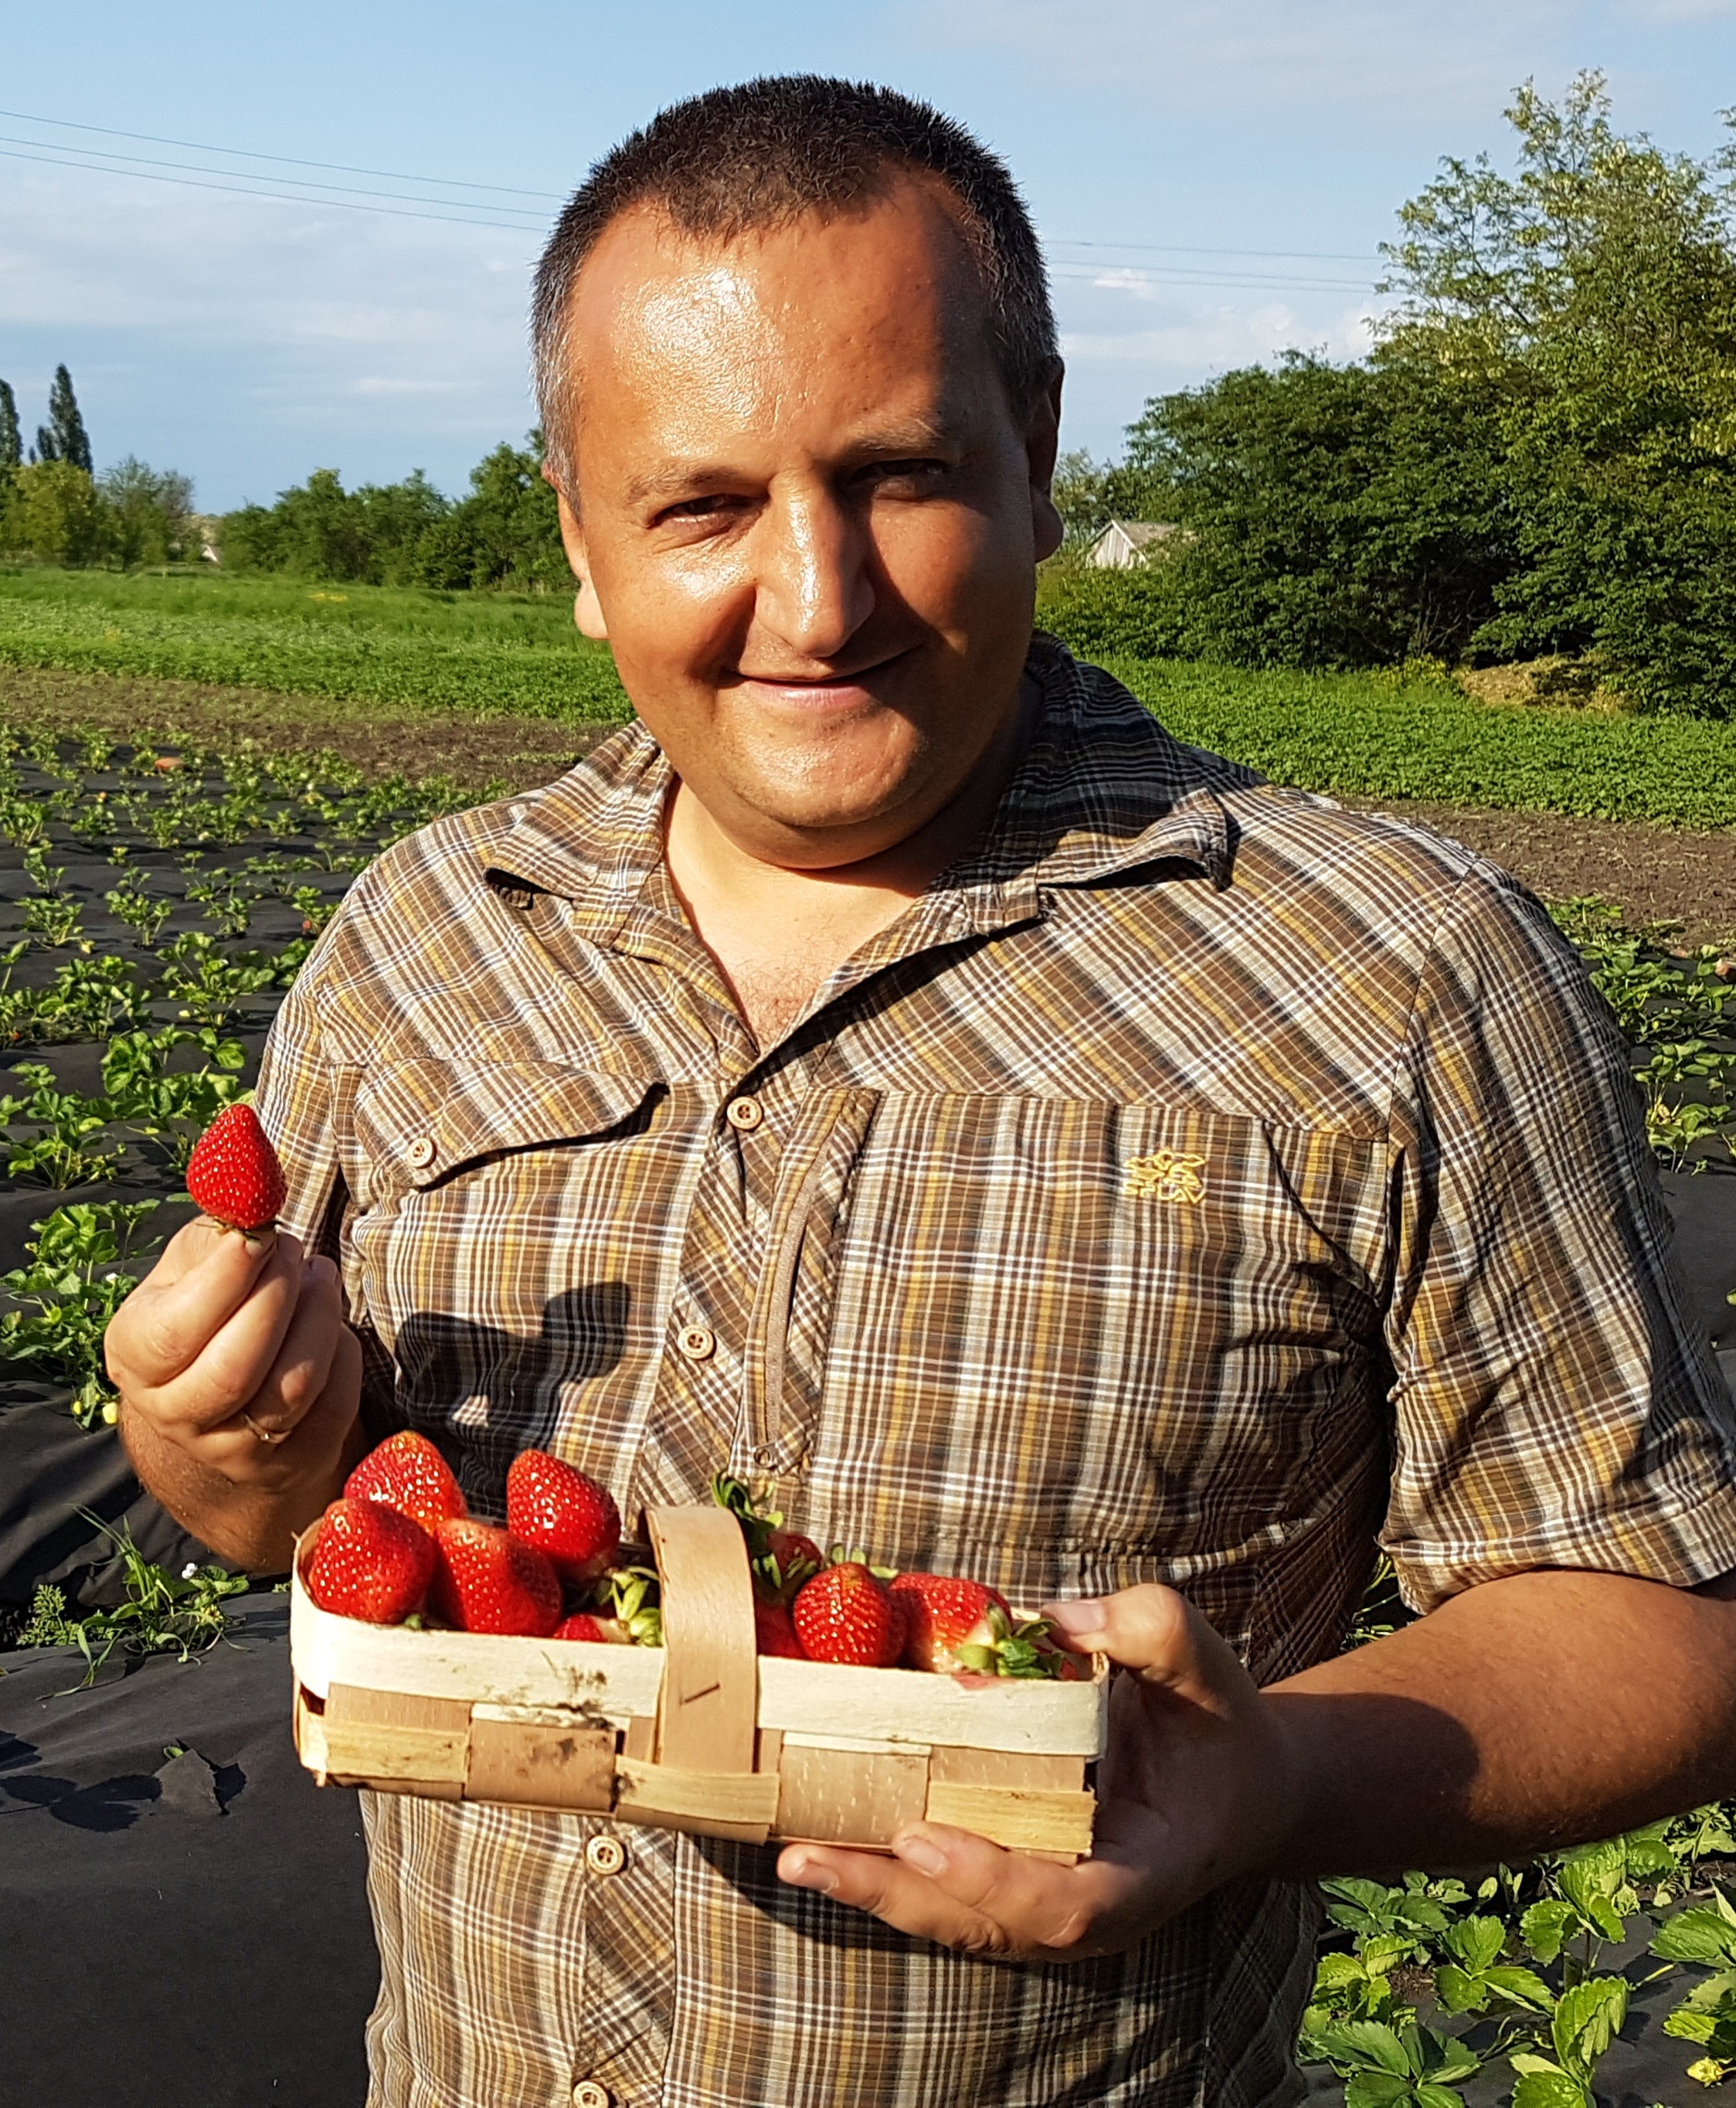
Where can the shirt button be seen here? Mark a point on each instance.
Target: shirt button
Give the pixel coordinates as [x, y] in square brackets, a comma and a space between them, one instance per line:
[698, 1343]
[744, 1114]
[422, 1151]
[588, 2094]
[605, 1855]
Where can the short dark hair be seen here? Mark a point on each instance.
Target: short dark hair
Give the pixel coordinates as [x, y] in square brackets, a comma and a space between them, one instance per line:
[736, 160]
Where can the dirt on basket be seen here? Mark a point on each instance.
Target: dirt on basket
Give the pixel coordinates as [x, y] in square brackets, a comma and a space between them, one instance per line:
[519, 751]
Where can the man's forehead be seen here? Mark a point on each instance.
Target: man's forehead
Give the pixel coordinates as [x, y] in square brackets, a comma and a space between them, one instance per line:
[898, 267]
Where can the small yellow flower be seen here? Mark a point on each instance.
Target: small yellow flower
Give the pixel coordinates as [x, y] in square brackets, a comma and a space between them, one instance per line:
[1165, 1175]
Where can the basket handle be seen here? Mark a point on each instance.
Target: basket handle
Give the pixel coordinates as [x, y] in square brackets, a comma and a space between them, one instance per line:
[711, 1667]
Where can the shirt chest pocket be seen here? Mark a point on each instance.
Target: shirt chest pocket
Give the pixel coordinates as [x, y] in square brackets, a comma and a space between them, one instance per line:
[1124, 1330]
[498, 1251]
[421, 1122]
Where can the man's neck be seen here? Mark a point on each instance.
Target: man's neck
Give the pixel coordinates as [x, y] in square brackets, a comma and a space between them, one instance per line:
[778, 932]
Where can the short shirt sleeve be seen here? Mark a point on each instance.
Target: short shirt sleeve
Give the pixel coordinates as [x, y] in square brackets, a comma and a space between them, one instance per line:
[1554, 1404]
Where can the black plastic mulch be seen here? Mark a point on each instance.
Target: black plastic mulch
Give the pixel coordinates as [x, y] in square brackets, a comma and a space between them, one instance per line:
[176, 1933]
[193, 1932]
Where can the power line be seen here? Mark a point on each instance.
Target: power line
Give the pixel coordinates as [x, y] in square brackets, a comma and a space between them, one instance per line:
[289, 160]
[100, 160]
[462, 211]
[281, 197]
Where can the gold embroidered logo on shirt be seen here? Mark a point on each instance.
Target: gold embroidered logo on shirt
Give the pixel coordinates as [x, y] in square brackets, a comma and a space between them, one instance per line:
[1165, 1175]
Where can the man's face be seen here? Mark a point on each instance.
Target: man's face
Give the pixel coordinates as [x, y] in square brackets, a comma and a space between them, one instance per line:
[807, 516]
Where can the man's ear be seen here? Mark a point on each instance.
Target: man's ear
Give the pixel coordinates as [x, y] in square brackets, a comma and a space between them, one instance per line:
[588, 610]
[1042, 440]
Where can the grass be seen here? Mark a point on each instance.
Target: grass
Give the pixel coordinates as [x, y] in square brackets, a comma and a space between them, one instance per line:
[482, 653]
[1381, 736]
[1375, 735]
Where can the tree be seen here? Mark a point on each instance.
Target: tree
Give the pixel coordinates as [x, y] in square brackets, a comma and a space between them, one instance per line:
[150, 511]
[1331, 516]
[505, 533]
[58, 515]
[63, 438]
[1594, 292]
[11, 452]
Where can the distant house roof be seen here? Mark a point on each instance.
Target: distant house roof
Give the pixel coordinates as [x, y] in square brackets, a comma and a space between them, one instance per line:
[1124, 542]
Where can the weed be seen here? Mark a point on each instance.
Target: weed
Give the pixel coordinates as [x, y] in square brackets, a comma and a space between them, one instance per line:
[162, 1613]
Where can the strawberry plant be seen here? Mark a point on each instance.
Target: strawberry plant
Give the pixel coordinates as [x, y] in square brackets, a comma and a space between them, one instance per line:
[1586, 2020]
[1476, 1973]
[172, 1109]
[1706, 1936]
[59, 1153]
[1417, 1911]
[1405, 2066]
[72, 1287]
[1352, 1987]
[143, 911]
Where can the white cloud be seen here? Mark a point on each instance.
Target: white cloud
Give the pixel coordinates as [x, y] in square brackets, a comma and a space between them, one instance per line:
[190, 319]
[1393, 58]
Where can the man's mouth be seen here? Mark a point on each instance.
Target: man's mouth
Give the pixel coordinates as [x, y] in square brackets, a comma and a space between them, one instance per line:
[818, 691]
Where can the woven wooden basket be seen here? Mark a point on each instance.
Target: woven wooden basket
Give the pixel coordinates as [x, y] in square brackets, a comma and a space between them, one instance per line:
[702, 1733]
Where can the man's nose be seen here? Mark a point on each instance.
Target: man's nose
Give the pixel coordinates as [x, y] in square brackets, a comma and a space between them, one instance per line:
[815, 589]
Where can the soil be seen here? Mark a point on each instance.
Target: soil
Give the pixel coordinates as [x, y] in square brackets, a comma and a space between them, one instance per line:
[517, 752]
[1669, 875]
[1658, 874]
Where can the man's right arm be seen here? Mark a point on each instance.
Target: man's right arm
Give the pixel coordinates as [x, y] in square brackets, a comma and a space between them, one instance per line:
[227, 1330]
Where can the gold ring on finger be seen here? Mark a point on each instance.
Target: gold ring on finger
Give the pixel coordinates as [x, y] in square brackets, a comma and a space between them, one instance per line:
[267, 1435]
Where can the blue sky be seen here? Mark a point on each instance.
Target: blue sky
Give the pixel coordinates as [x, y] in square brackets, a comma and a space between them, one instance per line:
[246, 340]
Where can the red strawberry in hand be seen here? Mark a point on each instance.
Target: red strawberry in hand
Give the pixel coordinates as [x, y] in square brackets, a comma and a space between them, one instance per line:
[568, 1516]
[369, 1561]
[233, 1172]
[486, 1581]
[951, 1624]
[845, 1614]
[409, 1473]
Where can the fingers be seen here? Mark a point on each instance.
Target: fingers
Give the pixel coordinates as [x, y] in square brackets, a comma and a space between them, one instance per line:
[302, 1368]
[960, 1890]
[204, 1282]
[1159, 1635]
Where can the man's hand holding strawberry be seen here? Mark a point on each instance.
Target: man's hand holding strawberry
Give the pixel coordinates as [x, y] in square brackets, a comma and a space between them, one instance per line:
[239, 1381]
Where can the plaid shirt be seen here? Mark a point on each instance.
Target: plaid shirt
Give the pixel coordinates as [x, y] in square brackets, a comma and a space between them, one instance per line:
[1199, 1183]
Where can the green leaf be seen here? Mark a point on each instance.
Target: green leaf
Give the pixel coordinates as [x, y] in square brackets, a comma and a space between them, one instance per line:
[1378, 2089]
[1520, 1987]
[1586, 2020]
[1370, 2043]
[1545, 1928]
[1475, 1942]
[1550, 2089]
[1704, 1935]
[1459, 1991]
[1452, 2058]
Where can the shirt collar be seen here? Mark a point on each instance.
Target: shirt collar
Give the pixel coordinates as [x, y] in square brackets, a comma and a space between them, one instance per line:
[1102, 790]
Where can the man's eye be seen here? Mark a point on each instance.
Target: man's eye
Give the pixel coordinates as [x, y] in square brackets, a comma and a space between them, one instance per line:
[906, 471]
[695, 508]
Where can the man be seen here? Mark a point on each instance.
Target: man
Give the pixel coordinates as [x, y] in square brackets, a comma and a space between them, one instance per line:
[896, 1071]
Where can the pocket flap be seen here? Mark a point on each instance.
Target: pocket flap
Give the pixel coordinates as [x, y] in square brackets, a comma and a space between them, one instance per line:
[419, 1121]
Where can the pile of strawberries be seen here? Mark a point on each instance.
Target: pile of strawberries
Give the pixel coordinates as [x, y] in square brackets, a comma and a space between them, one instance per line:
[401, 1541]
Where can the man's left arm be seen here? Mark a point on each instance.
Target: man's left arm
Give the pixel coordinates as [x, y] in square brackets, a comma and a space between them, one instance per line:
[1532, 1711]
[1563, 1506]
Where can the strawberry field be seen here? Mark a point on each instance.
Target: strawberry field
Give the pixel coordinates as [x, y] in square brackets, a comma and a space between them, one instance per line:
[154, 906]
